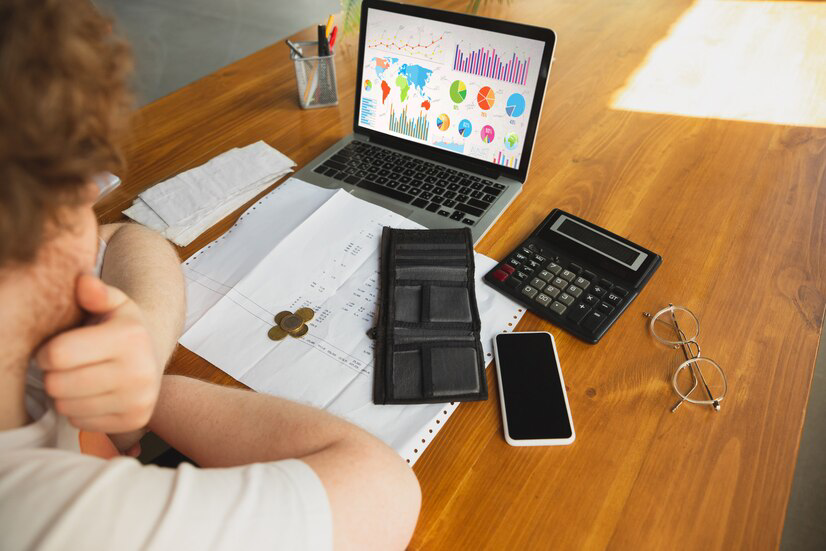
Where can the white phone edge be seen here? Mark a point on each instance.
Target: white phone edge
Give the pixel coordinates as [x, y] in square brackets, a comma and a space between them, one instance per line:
[532, 442]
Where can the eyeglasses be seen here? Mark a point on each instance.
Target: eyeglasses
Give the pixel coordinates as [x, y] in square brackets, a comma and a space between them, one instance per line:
[677, 327]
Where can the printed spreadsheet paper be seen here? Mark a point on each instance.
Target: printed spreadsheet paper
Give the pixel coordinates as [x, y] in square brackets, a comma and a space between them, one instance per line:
[299, 246]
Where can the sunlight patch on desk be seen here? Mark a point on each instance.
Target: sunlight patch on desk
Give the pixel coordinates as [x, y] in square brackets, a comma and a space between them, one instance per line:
[738, 60]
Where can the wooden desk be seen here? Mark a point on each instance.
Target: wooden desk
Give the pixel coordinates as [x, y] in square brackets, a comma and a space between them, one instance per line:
[738, 212]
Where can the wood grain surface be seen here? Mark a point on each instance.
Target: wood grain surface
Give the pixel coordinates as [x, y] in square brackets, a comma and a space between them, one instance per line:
[738, 212]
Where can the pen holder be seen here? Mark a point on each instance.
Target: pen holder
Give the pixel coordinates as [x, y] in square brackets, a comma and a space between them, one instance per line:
[315, 76]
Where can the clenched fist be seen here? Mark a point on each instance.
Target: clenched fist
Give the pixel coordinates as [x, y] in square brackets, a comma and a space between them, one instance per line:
[104, 376]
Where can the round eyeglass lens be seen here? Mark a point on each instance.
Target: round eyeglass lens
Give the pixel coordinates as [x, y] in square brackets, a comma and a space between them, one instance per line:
[700, 381]
[674, 325]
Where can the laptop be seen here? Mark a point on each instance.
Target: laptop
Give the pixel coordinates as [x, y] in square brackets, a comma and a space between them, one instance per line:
[447, 107]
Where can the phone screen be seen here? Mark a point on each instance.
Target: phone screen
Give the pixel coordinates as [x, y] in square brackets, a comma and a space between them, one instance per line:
[531, 387]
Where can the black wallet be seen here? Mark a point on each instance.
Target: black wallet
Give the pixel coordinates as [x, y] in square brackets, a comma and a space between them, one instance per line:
[427, 336]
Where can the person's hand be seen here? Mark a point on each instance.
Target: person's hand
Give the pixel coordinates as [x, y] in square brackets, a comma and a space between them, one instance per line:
[104, 376]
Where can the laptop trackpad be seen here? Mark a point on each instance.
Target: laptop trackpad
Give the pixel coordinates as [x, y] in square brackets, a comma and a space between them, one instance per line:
[387, 203]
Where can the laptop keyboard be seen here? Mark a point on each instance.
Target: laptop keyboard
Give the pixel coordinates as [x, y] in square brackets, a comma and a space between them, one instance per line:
[446, 191]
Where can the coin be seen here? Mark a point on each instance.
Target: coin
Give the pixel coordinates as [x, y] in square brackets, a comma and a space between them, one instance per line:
[305, 313]
[301, 331]
[291, 323]
[281, 315]
[276, 333]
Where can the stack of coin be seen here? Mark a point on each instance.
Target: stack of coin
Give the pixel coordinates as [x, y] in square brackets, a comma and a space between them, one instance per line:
[287, 323]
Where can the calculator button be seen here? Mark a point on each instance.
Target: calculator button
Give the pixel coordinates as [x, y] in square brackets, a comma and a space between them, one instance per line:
[567, 275]
[546, 275]
[578, 312]
[613, 299]
[558, 307]
[526, 250]
[552, 291]
[617, 290]
[543, 299]
[590, 299]
[520, 257]
[534, 265]
[554, 268]
[500, 275]
[590, 276]
[559, 283]
[566, 299]
[605, 283]
[576, 268]
[539, 258]
[605, 308]
[538, 283]
[521, 276]
[573, 290]
[582, 282]
[598, 291]
[515, 263]
[507, 268]
[594, 320]
[529, 291]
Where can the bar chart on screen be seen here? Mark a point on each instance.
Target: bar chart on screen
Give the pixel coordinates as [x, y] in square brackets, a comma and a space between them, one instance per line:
[415, 128]
[487, 62]
[504, 160]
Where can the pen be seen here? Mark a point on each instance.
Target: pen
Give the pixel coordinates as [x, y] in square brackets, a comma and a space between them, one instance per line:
[329, 28]
[333, 35]
[323, 48]
[295, 50]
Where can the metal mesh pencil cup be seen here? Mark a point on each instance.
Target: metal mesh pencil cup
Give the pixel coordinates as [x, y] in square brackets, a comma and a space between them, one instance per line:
[315, 76]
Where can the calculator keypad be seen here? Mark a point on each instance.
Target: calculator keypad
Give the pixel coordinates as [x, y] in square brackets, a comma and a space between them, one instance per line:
[567, 289]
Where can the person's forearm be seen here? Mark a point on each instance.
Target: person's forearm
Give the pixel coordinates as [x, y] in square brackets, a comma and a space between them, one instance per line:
[223, 427]
[145, 266]
[363, 478]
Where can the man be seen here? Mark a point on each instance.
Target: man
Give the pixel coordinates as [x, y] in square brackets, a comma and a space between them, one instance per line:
[85, 331]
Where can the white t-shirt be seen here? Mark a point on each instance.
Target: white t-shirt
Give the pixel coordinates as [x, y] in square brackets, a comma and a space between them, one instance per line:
[54, 495]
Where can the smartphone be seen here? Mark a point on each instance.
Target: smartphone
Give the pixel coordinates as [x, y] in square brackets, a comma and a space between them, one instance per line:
[535, 410]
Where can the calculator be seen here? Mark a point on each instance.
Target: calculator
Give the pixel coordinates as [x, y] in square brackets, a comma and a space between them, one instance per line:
[575, 274]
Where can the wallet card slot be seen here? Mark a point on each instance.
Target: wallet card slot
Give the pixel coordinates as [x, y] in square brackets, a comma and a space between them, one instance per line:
[446, 304]
[434, 369]
[431, 273]
[432, 261]
[408, 303]
[404, 335]
[430, 247]
[407, 374]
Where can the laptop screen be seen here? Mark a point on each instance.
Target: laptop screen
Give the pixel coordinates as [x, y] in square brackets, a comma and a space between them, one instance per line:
[457, 88]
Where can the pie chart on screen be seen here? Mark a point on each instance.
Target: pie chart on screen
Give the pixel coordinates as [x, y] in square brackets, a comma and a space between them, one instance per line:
[485, 98]
[515, 105]
[458, 91]
[443, 122]
[487, 133]
[465, 128]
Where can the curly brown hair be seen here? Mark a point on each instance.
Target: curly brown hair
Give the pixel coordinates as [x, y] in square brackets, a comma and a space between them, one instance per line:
[64, 100]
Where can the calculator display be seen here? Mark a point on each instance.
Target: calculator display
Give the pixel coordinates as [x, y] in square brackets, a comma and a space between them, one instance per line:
[603, 244]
